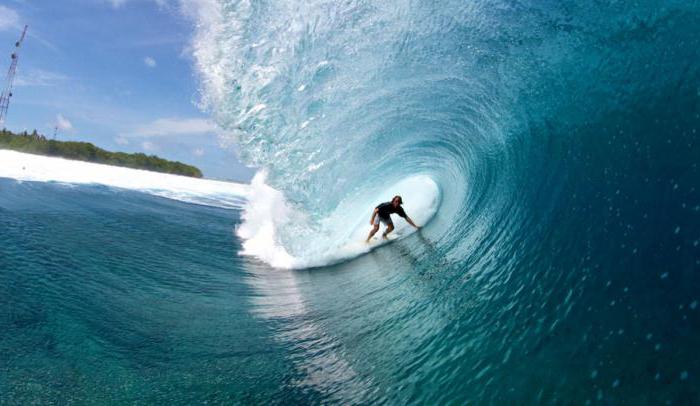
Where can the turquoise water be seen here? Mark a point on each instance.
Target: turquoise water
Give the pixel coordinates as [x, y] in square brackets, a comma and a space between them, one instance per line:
[556, 141]
[116, 296]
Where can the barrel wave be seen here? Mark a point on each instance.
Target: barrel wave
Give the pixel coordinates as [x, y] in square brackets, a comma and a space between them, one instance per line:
[550, 149]
[341, 104]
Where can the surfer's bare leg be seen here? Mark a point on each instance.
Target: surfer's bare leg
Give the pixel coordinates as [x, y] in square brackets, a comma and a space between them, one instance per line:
[389, 229]
[372, 232]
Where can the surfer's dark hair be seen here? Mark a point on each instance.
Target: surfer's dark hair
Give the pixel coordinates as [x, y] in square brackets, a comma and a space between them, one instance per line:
[397, 197]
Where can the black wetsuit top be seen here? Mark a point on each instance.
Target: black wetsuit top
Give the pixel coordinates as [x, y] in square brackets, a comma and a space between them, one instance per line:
[385, 209]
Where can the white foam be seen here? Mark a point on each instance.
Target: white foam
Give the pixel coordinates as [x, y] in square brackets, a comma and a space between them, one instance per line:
[266, 212]
[340, 236]
[28, 167]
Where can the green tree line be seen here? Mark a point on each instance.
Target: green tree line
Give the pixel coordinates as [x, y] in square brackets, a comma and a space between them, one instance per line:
[35, 143]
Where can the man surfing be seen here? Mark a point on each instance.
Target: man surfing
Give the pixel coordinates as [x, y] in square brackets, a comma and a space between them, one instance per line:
[382, 214]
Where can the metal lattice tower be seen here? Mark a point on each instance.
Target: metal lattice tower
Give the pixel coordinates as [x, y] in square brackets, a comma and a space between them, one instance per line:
[9, 80]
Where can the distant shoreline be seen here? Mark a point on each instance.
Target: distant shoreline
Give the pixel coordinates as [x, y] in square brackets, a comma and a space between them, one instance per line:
[37, 144]
[23, 167]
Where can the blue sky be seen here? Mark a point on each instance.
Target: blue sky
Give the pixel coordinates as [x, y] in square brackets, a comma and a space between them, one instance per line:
[116, 73]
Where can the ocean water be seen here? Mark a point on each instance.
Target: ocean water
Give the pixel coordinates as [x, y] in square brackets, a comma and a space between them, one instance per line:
[550, 150]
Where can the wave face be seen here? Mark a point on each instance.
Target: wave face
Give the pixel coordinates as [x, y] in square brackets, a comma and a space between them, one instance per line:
[340, 104]
[561, 140]
[497, 102]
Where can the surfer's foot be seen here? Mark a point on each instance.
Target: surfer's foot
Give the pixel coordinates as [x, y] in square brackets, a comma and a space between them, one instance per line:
[384, 237]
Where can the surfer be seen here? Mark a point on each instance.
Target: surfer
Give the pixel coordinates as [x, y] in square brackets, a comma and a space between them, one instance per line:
[381, 214]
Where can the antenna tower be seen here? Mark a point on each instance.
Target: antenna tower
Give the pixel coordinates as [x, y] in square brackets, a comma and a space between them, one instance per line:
[9, 80]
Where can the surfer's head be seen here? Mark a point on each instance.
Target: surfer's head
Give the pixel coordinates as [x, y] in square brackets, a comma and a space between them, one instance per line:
[397, 201]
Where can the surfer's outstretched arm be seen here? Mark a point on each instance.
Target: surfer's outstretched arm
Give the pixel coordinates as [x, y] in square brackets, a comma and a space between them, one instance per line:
[409, 221]
[374, 214]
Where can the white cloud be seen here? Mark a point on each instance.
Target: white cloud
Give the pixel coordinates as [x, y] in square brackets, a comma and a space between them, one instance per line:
[196, 9]
[150, 62]
[148, 146]
[118, 3]
[173, 126]
[121, 140]
[198, 152]
[63, 123]
[9, 19]
[40, 77]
